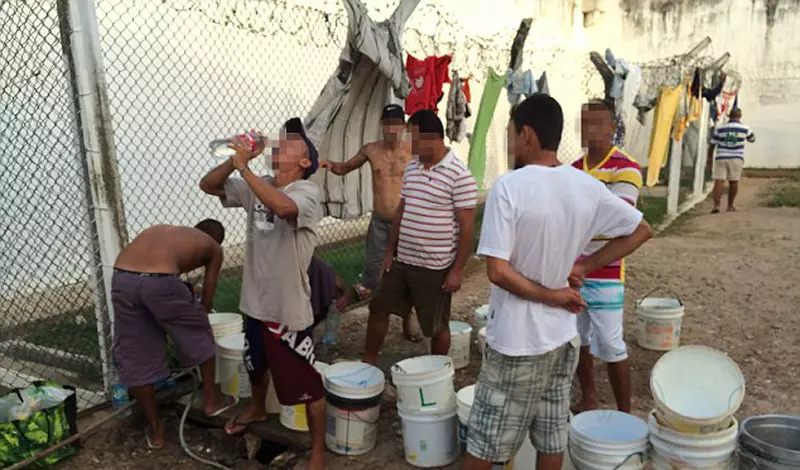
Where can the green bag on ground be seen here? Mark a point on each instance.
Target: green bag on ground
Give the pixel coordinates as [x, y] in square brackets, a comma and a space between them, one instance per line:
[34, 419]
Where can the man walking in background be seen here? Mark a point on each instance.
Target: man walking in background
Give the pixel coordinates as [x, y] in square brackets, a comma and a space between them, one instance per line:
[728, 139]
[150, 300]
[430, 240]
[600, 325]
[537, 220]
[282, 216]
[388, 160]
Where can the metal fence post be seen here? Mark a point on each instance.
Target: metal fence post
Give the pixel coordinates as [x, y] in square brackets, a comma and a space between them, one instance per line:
[674, 181]
[702, 150]
[107, 230]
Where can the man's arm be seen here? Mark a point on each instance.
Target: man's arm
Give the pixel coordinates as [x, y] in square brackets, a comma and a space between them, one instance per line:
[751, 137]
[341, 169]
[466, 224]
[274, 199]
[618, 248]
[504, 276]
[213, 182]
[211, 276]
[394, 234]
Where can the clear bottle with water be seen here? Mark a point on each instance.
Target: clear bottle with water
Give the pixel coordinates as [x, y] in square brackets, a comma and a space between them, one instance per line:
[219, 147]
[332, 322]
[119, 395]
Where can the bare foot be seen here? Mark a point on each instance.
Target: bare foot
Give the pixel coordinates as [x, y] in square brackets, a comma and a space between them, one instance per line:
[316, 462]
[732, 209]
[220, 406]
[239, 424]
[155, 437]
[715, 210]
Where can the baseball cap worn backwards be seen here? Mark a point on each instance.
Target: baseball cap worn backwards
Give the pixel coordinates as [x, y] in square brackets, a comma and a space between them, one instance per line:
[295, 126]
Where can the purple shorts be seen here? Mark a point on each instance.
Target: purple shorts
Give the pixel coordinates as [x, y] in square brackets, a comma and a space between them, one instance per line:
[147, 307]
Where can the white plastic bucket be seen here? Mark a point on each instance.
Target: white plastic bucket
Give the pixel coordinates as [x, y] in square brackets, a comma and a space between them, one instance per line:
[425, 383]
[354, 400]
[464, 399]
[295, 417]
[606, 440]
[460, 339]
[658, 463]
[482, 341]
[689, 451]
[234, 380]
[696, 389]
[222, 325]
[659, 323]
[430, 439]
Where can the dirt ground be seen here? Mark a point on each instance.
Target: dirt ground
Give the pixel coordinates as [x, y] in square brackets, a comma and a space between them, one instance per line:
[735, 272]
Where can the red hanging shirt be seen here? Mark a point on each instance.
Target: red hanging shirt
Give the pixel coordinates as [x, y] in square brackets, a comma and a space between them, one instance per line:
[427, 78]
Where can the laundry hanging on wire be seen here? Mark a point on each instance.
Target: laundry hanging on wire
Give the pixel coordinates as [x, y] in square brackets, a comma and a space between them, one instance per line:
[458, 109]
[427, 78]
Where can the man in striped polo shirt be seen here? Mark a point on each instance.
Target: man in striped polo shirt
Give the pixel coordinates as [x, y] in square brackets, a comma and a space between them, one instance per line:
[430, 240]
[600, 326]
[729, 141]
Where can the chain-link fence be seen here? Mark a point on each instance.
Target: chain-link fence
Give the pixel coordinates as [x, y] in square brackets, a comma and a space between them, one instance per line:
[179, 73]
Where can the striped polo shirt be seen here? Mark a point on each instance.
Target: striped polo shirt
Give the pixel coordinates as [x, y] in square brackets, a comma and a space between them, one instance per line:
[729, 139]
[429, 230]
[623, 176]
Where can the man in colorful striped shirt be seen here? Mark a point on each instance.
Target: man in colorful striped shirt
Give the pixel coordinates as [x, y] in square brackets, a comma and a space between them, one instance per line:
[430, 241]
[600, 326]
[729, 141]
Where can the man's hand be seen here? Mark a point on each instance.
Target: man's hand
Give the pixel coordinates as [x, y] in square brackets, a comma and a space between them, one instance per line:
[452, 283]
[333, 167]
[244, 151]
[566, 298]
[387, 264]
[577, 275]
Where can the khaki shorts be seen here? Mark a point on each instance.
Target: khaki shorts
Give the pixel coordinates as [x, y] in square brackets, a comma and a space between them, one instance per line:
[729, 169]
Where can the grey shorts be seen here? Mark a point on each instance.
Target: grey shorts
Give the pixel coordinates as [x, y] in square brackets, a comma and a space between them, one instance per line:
[146, 309]
[519, 396]
[377, 243]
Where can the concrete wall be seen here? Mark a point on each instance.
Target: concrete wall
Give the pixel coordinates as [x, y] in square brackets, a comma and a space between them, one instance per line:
[762, 36]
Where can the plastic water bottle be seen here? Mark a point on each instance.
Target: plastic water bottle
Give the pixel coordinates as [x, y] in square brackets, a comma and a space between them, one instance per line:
[332, 322]
[164, 383]
[219, 148]
[119, 399]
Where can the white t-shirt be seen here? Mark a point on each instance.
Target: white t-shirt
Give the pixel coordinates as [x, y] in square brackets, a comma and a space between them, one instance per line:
[540, 219]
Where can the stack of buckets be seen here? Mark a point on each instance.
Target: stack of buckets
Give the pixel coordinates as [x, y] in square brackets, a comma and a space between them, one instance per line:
[426, 404]
[353, 391]
[460, 339]
[696, 390]
[230, 371]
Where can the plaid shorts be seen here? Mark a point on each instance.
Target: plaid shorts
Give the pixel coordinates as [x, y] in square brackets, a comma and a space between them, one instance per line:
[519, 395]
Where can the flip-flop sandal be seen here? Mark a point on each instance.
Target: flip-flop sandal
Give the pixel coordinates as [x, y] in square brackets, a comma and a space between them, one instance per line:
[149, 440]
[416, 339]
[235, 423]
[715, 211]
[230, 402]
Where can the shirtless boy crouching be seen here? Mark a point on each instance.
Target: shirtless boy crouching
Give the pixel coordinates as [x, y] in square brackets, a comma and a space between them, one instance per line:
[150, 301]
[388, 159]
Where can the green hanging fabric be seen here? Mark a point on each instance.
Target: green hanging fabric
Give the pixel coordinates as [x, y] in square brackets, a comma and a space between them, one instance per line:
[477, 149]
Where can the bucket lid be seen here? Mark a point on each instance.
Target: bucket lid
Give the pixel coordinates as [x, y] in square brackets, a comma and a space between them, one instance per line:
[697, 383]
[482, 312]
[357, 380]
[222, 318]
[233, 343]
[660, 303]
[466, 396]
[422, 368]
[460, 327]
[610, 427]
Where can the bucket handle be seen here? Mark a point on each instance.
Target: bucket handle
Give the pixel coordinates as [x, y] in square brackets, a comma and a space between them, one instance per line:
[639, 302]
[752, 461]
[620, 465]
[660, 390]
[730, 397]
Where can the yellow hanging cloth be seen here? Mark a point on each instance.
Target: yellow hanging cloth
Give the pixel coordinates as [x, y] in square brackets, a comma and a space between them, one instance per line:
[693, 111]
[663, 118]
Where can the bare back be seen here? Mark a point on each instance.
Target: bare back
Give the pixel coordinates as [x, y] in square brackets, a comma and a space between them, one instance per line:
[167, 249]
[388, 166]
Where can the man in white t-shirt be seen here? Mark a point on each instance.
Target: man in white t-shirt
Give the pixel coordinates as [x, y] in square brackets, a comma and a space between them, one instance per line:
[537, 221]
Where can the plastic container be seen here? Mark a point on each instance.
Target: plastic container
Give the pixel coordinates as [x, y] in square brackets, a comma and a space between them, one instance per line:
[770, 442]
[696, 389]
[233, 378]
[690, 451]
[222, 325]
[606, 440]
[460, 339]
[425, 383]
[659, 323]
[353, 391]
[430, 439]
[295, 417]
[482, 341]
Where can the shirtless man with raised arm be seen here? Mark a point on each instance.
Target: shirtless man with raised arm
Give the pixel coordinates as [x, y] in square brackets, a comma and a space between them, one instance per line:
[150, 300]
[388, 159]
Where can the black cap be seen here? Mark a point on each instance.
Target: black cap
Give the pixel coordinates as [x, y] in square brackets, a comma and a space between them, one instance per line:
[295, 126]
[393, 111]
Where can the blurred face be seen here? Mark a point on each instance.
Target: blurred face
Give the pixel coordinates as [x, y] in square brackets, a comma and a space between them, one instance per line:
[290, 154]
[393, 129]
[522, 146]
[597, 127]
[422, 145]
